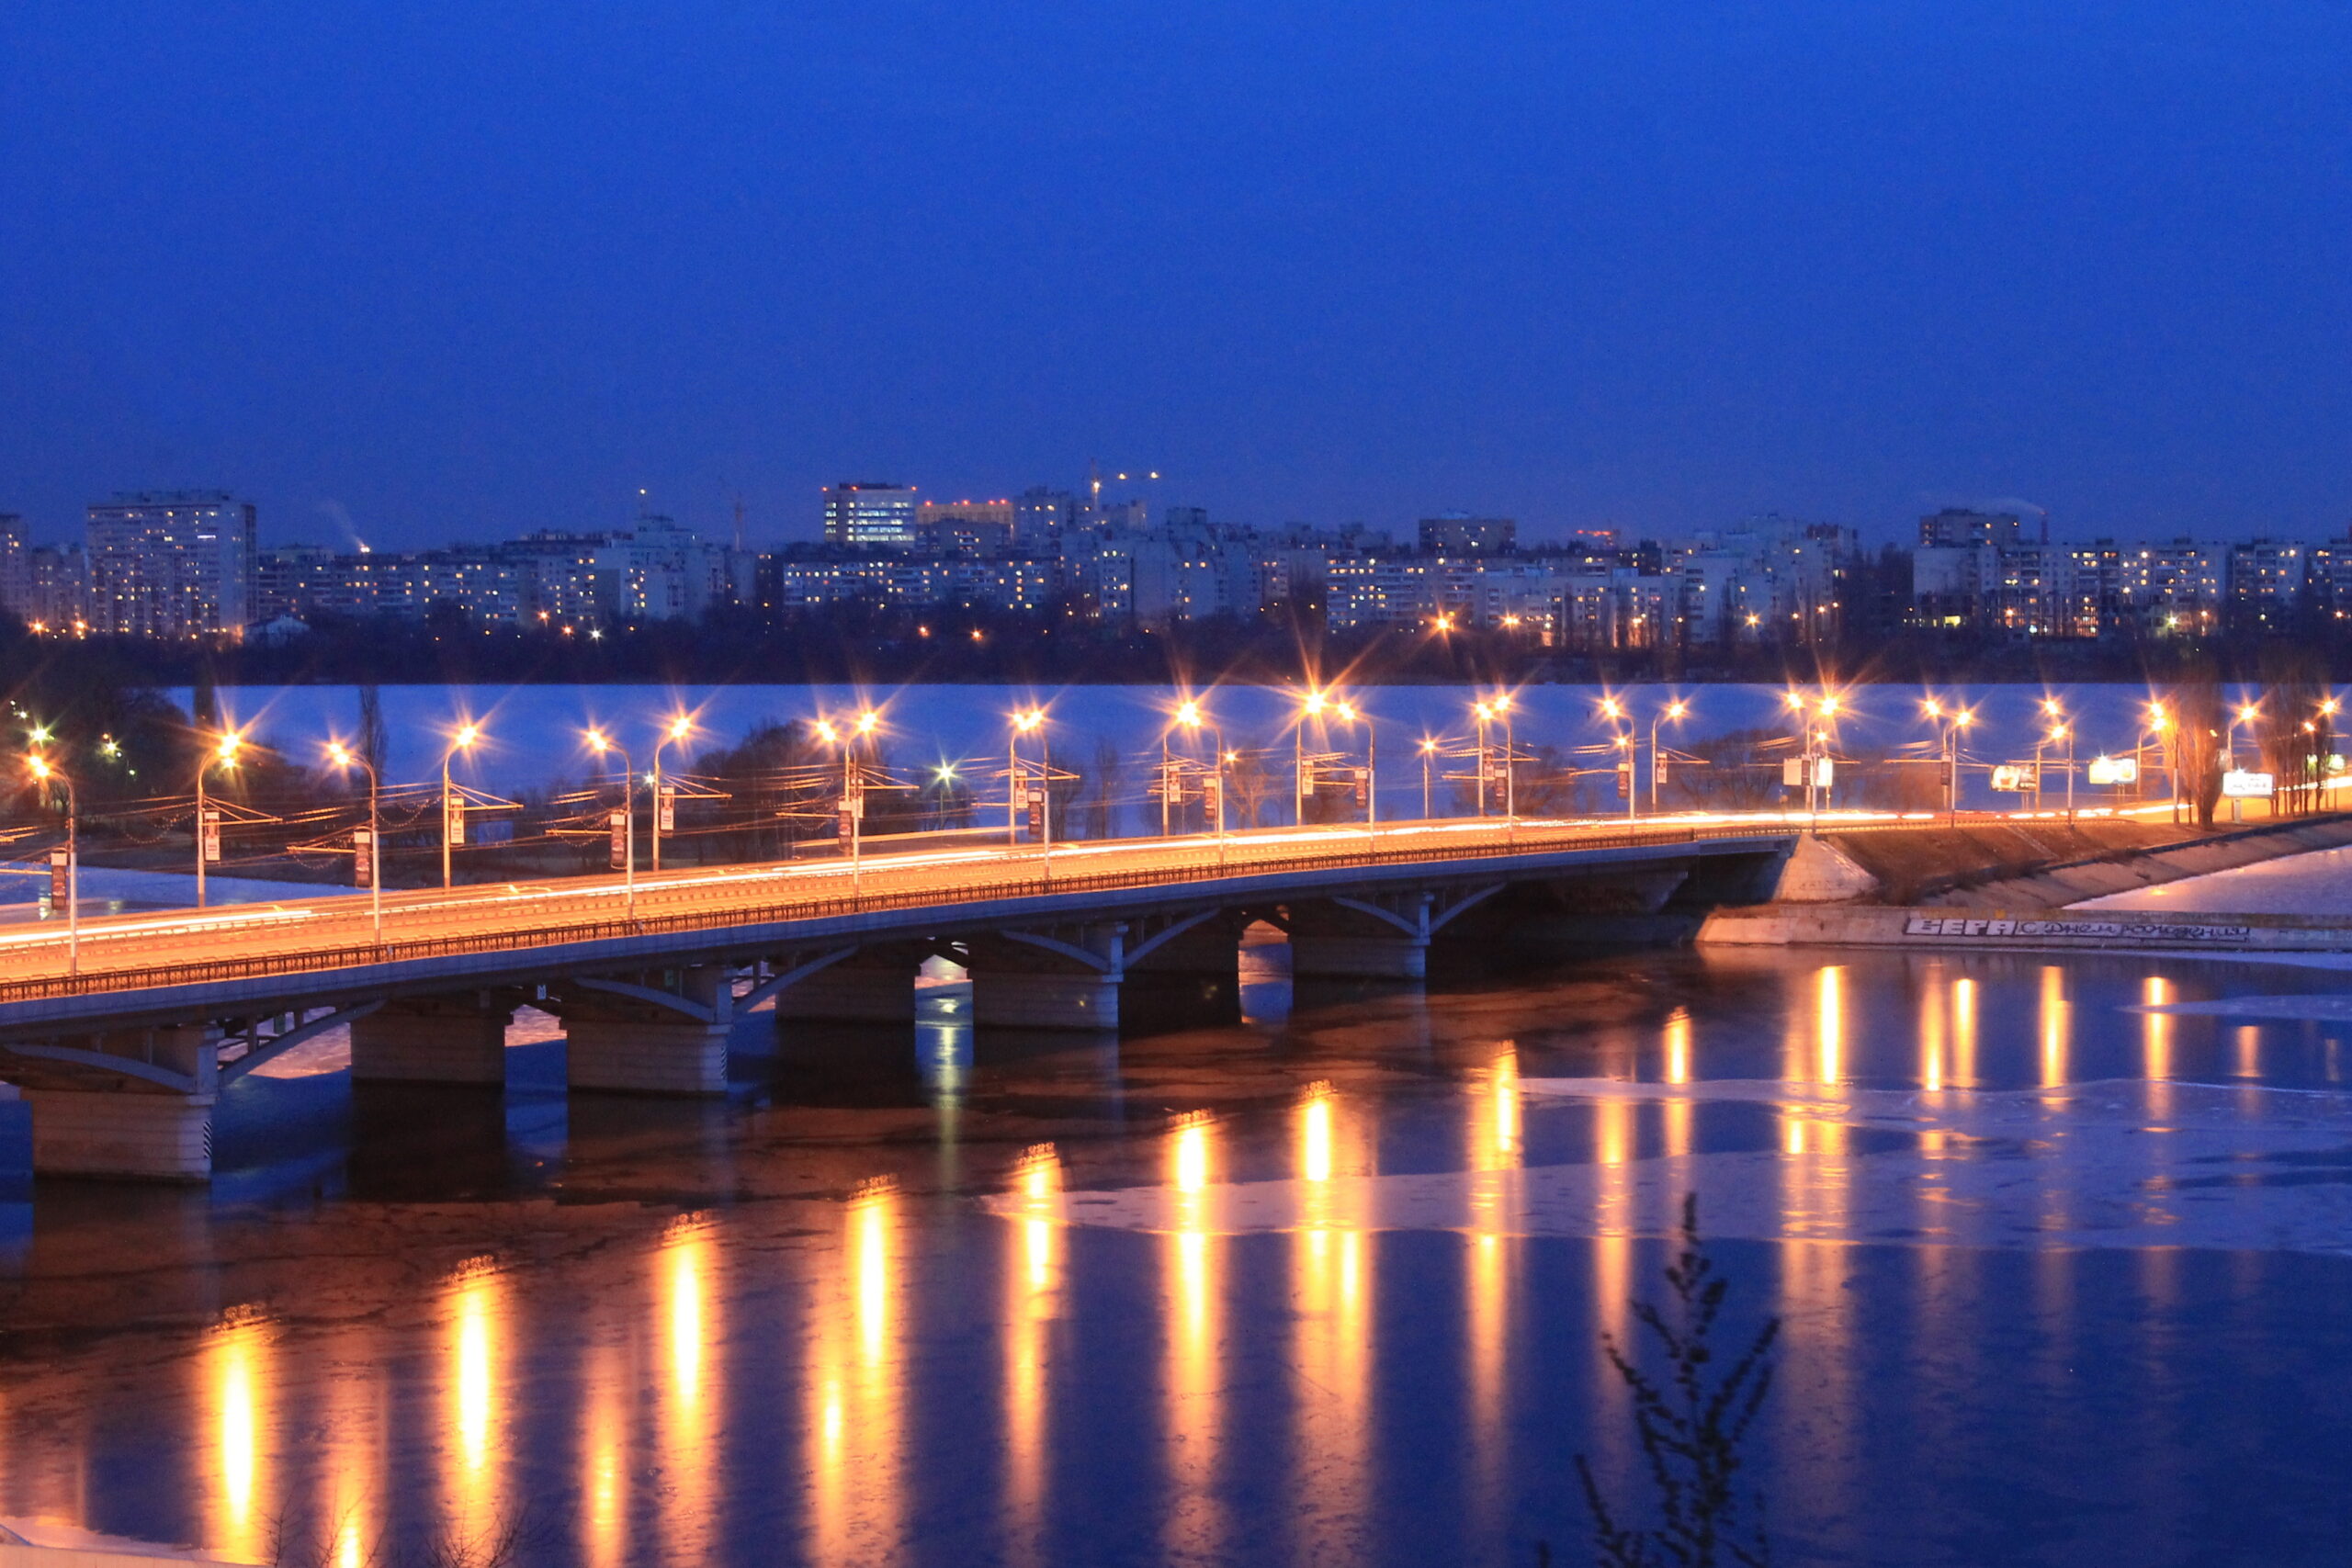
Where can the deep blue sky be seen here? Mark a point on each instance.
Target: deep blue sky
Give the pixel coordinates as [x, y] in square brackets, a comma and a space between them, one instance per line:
[462, 269]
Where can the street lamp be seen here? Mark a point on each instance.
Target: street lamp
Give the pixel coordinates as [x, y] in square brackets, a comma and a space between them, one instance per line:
[453, 814]
[2065, 732]
[2160, 726]
[1348, 713]
[44, 773]
[1674, 710]
[600, 743]
[1617, 714]
[1030, 721]
[1311, 707]
[2247, 715]
[222, 755]
[1429, 749]
[1191, 717]
[678, 729]
[343, 756]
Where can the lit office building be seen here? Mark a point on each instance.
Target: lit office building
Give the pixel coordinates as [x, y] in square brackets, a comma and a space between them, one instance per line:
[870, 515]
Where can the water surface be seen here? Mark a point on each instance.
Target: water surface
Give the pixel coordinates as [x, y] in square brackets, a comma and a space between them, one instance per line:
[2063, 1271]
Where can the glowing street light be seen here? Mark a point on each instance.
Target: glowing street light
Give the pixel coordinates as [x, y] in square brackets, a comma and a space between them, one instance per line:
[1429, 751]
[45, 773]
[341, 756]
[1674, 710]
[1348, 712]
[1192, 715]
[665, 799]
[223, 754]
[453, 810]
[1030, 721]
[600, 743]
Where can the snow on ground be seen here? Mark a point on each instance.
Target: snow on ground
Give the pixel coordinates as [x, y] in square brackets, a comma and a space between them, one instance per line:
[2318, 882]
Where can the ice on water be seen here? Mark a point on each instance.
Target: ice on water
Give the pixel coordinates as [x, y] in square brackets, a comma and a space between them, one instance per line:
[2126, 1163]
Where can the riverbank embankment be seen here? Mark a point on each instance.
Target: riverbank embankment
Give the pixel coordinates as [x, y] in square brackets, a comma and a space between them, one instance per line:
[2034, 863]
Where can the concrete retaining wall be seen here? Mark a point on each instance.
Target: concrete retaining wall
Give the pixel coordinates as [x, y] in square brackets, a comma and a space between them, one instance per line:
[1796, 925]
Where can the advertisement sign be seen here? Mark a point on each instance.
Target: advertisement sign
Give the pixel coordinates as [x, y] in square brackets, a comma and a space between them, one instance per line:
[1657, 769]
[363, 858]
[1625, 780]
[1825, 773]
[1792, 774]
[2240, 784]
[666, 808]
[453, 818]
[60, 863]
[212, 835]
[2014, 778]
[619, 824]
[2114, 770]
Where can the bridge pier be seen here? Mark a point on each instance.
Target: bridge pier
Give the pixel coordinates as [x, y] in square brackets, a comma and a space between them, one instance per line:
[1349, 939]
[433, 1040]
[661, 1033]
[1187, 976]
[874, 984]
[144, 1135]
[135, 1103]
[1063, 979]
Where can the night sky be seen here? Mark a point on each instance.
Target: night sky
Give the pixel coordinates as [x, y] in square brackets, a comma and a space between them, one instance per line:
[456, 271]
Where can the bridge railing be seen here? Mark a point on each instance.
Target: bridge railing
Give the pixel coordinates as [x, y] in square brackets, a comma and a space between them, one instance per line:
[302, 961]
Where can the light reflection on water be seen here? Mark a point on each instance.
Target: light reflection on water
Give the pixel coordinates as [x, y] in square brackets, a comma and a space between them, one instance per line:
[894, 1373]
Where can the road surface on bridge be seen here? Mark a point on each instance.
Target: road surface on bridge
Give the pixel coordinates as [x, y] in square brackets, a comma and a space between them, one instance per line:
[121, 950]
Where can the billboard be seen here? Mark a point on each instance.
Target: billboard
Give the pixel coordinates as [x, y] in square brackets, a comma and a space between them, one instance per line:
[2239, 784]
[2114, 770]
[2015, 778]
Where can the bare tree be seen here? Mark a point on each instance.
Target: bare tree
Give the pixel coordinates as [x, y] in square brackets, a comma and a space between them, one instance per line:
[2196, 711]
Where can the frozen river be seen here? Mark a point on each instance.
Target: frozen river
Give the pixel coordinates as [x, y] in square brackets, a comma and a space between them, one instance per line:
[2063, 1249]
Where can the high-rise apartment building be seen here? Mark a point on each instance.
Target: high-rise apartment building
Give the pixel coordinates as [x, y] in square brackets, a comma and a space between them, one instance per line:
[1459, 533]
[1956, 528]
[172, 564]
[870, 515]
[16, 569]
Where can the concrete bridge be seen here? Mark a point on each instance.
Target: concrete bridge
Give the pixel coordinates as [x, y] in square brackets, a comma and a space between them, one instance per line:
[123, 1046]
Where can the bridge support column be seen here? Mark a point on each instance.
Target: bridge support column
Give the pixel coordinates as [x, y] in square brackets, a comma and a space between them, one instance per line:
[1191, 979]
[1063, 979]
[134, 1103]
[661, 1033]
[875, 985]
[141, 1134]
[1354, 939]
[438, 1040]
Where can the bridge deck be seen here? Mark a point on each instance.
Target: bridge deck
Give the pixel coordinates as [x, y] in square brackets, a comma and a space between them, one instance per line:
[480, 931]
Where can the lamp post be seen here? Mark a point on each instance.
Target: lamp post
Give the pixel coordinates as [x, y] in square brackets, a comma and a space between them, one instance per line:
[677, 729]
[1312, 708]
[853, 796]
[1429, 749]
[1673, 710]
[1950, 725]
[1483, 713]
[1804, 742]
[1627, 759]
[1815, 801]
[2246, 714]
[1348, 713]
[2160, 726]
[343, 756]
[451, 815]
[1191, 716]
[1033, 721]
[223, 755]
[44, 773]
[2066, 733]
[600, 743]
